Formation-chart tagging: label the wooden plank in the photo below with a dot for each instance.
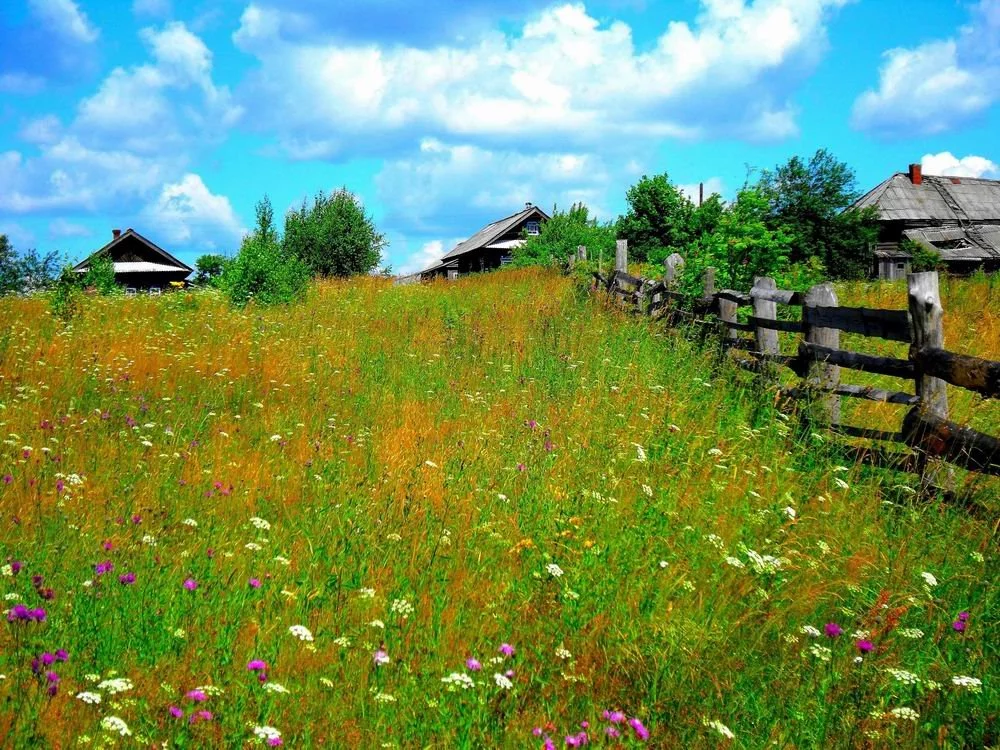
(972, 373)
(824, 376)
(865, 432)
(928, 333)
(862, 391)
(673, 268)
(936, 437)
(897, 368)
(746, 345)
(764, 312)
(581, 252)
(727, 314)
(886, 324)
(738, 326)
(789, 326)
(731, 295)
(621, 255)
(781, 296)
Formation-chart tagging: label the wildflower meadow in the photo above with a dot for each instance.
(488, 513)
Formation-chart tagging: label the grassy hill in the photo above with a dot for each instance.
(368, 490)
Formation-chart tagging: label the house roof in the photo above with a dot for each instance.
(968, 243)
(491, 232)
(169, 262)
(949, 200)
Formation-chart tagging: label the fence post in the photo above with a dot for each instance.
(621, 256)
(927, 331)
(820, 374)
(727, 314)
(674, 266)
(709, 283)
(767, 339)
(581, 252)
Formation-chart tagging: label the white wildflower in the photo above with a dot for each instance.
(366, 593)
(901, 675)
(267, 733)
(275, 438)
(301, 632)
(719, 727)
(810, 631)
(905, 713)
(149, 540)
(554, 570)
(663, 564)
(91, 698)
(116, 685)
(253, 546)
(972, 684)
(563, 653)
(790, 512)
(735, 562)
(647, 490)
(820, 652)
(402, 608)
(502, 681)
(458, 680)
(115, 725)
(384, 698)
(640, 453)
(282, 560)
(260, 523)
(180, 633)
(343, 641)
(7, 570)
(377, 624)
(929, 579)
(189, 522)
(911, 633)
(274, 687)
(212, 690)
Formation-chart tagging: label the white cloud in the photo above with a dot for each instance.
(64, 17)
(156, 8)
(563, 77)
(937, 86)
(187, 212)
(946, 163)
(42, 130)
(21, 83)
(60, 228)
(428, 254)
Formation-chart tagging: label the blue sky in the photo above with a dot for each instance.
(175, 116)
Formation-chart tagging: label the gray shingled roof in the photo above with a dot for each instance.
(491, 232)
(176, 264)
(936, 199)
(957, 243)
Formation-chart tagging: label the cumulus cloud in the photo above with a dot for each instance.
(946, 163)
(428, 254)
(936, 86)
(56, 41)
(64, 18)
(563, 76)
(155, 8)
(133, 135)
(187, 212)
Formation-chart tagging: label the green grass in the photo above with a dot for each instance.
(423, 457)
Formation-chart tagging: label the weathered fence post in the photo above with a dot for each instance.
(727, 314)
(767, 339)
(621, 256)
(927, 332)
(822, 375)
(581, 252)
(673, 267)
(709, 283)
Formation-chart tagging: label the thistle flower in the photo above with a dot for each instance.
(196, 695)
(256, 665)
(201, 716)
(175, 712)
(958, 626)
(380, 657)
(127, 579)
(506, 649)
(473, 665)
(255, 583)
(104, 567)
(640, 731)
(832, 629)
(190, 584)
(865, 646)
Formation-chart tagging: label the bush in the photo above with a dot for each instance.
(101, 276)
(65, 301)
(559, 237)
(210, 268)
(335, 237)
(263, 271)
(924, 258)
(25, 273)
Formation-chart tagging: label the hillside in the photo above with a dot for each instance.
(367, 490)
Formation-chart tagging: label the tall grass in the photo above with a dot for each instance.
(417, 475)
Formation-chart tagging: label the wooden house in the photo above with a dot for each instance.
(138, 262)
(957, 217)
(490, 247)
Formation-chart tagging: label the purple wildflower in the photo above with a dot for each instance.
(104, 567)
(963, 616)
(865, 646)
(576, 740)
(549, 744)
(136, 519)
(506, 649)
(958, 625)
(640, 731)
(613, 733)
(275, 741)
(537, 731)
(127, 579)
(48, 658)
(175, 712)
(832, 629)
(15, 566)
(60, 485)
(190, 584)
(61, 654)
(255, 583)
(7, 479)
(256, 665)
(615, 717)
(381, 657)
(196, 695)
(473, 665)
(530, 424)
(201, 716)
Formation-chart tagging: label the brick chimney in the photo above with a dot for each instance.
(916, 174)
(529, 204)
(116, 233)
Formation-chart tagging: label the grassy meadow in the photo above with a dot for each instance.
(488, 513)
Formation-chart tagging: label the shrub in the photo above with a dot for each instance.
(559, 237)
(101, 276)
(923, 257)
(65, 300)
(210, 268)
(334, 237)
(263, 271)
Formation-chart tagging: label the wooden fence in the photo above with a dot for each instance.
(819, 358)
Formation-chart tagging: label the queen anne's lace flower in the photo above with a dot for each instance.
(301, 632)
(115, 725)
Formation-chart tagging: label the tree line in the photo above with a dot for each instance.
(791, 223)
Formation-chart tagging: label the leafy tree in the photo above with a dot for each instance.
(658, 221)
(807, 200)
(210, 268)
(65, 300)
(263, 270)
(923, 257)
(101, 275)
(559, 237)
(334, 237)
(740, 247)
(27, 272)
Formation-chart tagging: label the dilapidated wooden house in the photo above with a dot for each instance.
(138, 262)
(491, 247)
(957, 217)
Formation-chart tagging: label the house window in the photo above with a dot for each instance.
(900, 266)
(532, 227)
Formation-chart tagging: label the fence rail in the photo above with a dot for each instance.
(925, 428)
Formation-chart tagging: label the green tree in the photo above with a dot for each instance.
(740, 247)
(263, 271)
(210, 268)
(559, 237)
(27, 272)
(100, 275)
(923, 257)
(659, 220)
(808, 200)
(334, 237)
